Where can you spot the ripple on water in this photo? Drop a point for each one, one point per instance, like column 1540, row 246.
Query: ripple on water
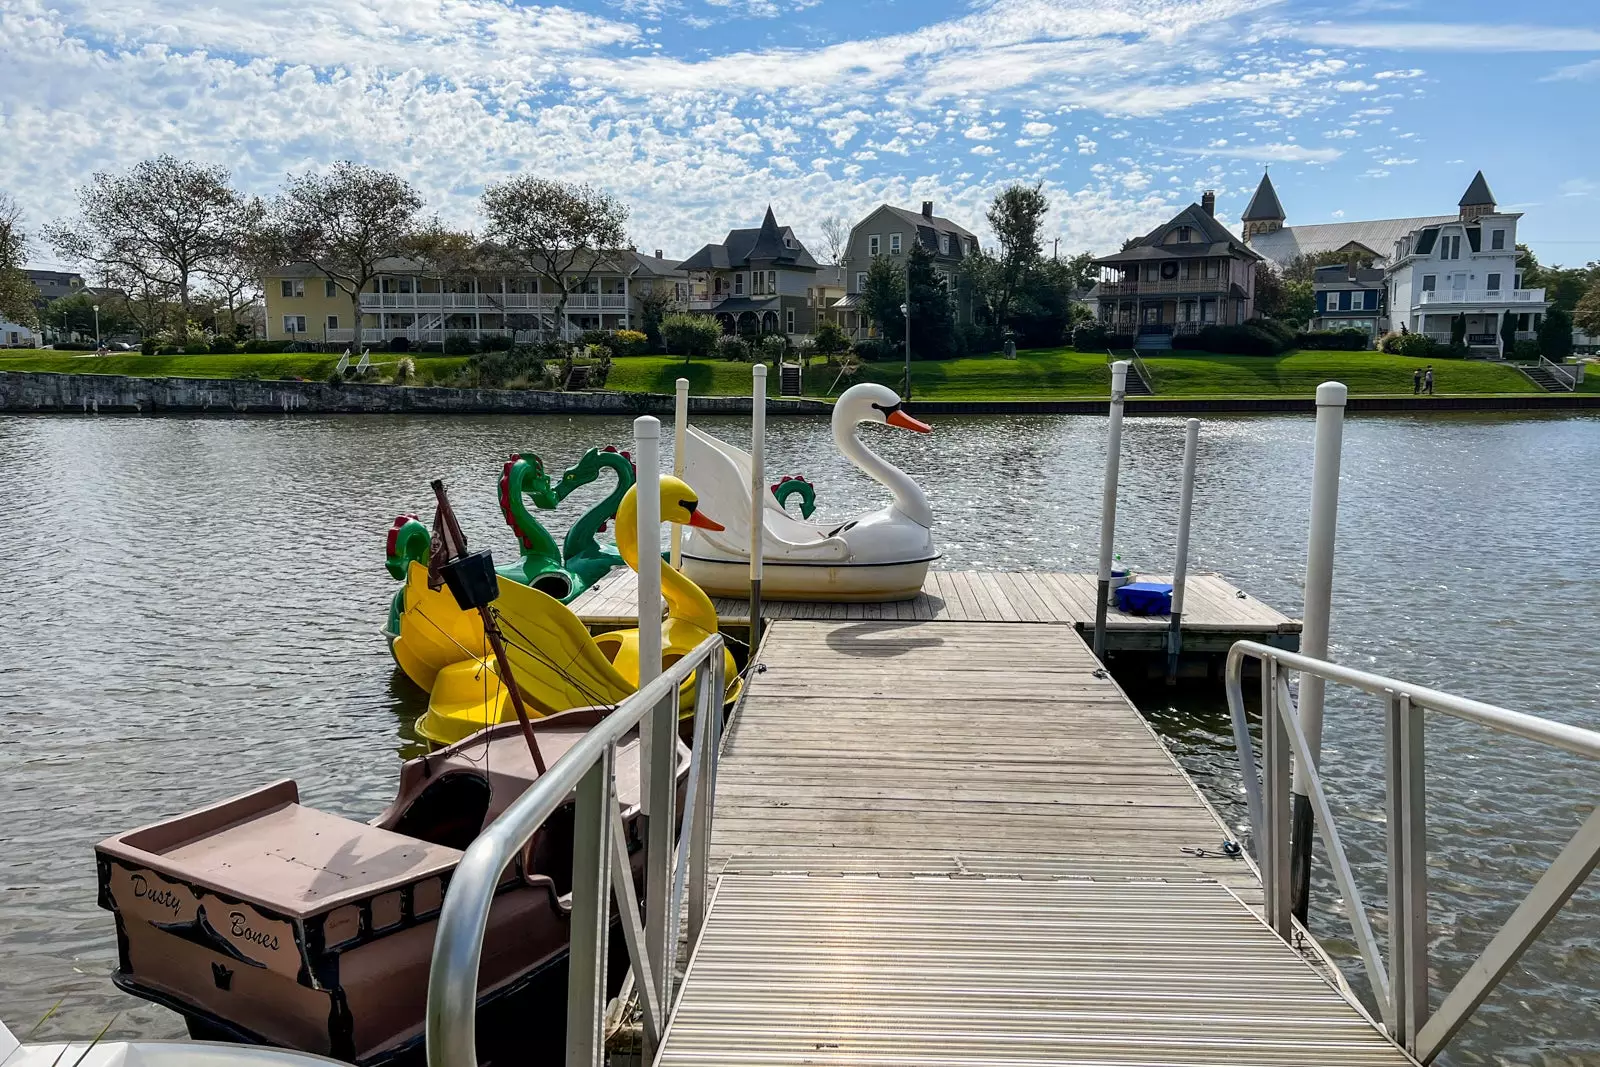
column 195, row 604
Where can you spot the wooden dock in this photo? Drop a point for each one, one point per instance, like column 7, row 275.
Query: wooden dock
column 1216, row 613
column 954, row 841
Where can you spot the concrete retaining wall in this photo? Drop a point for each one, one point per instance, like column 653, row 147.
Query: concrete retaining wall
column 115, row 393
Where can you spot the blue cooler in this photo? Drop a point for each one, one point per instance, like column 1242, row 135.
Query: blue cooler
column 1145, row 598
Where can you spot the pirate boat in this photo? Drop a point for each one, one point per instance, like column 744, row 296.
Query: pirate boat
column 262, row 920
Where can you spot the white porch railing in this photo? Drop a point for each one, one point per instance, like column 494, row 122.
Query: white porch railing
column 1401, row 989
column 1567, row 378
column 492, row 302
column 1480, row 296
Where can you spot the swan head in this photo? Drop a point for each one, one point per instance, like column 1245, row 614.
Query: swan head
column 679, row 504
column 871, row 402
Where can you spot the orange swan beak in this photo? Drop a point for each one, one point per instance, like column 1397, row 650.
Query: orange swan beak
column 899, row 418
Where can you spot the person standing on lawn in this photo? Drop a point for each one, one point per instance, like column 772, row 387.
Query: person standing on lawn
column 1416, row 381
column 1427, row 380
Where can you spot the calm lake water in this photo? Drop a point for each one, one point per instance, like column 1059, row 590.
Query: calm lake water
column 192, row 609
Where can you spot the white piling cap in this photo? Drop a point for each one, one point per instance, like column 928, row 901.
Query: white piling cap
column 1332, row 394
column 759, row 370
column 1119, row 374
column 683, row 385
column 647, row 426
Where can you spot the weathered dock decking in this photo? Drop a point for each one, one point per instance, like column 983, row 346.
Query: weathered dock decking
column 1215, row 615
column 944, row 842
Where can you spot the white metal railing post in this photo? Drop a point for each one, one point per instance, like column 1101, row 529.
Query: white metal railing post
column 1408, row 869
column 758, row 490
column 1108, row 502
column 1331, row 397
column 680, row 424
column 593, row 812
column 1180, row 567
column 1405, row 1000
column 451, row 1021
column 647, row 486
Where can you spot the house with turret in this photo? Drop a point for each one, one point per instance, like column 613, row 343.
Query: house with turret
column 757, row 281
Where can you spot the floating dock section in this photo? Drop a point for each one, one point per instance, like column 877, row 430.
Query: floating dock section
column 951, row 839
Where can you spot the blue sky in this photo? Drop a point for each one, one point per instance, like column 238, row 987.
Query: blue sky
column 700, row 112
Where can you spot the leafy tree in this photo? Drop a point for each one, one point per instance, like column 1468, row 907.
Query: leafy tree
column 74, row 313
column 1043, row 309
column 657, row 299
column 1292, row 302
column 17, row 294
column 1555, row 335
column 1303, row 268
column 1587, row 313
column 693, row 335
column 1081, row 273
column 933, row 334
column 557, row 230
column 881, row 297
column 1016, row 216
column 347, row 223
column 162, row 225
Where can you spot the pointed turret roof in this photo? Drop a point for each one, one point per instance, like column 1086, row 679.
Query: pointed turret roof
column 769, row 241
column 1264, row 205
column 1477, row 194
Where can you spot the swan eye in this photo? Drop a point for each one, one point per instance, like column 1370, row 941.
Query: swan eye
column 889, row 410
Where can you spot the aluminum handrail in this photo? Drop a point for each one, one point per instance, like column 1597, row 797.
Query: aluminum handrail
column 1402, row 989
column 451, row 1031
column 1559, row 373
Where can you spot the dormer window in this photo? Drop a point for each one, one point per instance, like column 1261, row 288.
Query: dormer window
column 1183, row 234
column 788, row 242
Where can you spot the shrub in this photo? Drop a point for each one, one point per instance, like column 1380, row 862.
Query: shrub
column 223, row 346
column 335, row 377
column 689, row 335
column 732, row 349
column 458, row 345
column 1244, row 340
column 629, row 343
column 399, row 344
column 148, row 346
column 973, row 340
column 405, row 370
column 1415, row 345
column 1458, row 333
column 874, row 349
column 774, row 347
column 1279, row 331
column 259, row 345
column 595, row 337
column 1555, row 335
column 1525, row 348
column 829, row 340
column 249, row 376
column 1121, row 340
column 1348, row 340
column 600, row 369
column 1089, row 337
column 196, row 348
column 495, row 342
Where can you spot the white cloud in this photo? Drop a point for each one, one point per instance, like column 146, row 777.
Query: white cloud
column 1575, row 72
column 1449, row 36
column 1086, row 147
column 1384, row 75
column 1393, row 161
column 1268, row 153
column 978, row 132
column 1355, row 86
column 985, row 150
column 1580, row 187
column 1037, row 129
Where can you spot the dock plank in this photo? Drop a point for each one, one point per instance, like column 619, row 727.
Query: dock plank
column 941, row 842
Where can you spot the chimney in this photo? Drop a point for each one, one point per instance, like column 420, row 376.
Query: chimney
column 1208, row 202
column 927, row 209
column 658, row 253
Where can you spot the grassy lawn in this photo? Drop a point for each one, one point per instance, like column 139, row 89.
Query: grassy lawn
column 311, row 365
column 659, row 374
column 1041, row 374
column 1299, row 374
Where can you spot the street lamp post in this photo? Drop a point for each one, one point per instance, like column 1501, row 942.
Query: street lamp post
column 96, row 327
column 905, row 311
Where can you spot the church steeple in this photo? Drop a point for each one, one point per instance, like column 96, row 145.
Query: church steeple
column 1264, row 214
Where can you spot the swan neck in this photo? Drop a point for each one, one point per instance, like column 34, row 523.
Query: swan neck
column 908, row 497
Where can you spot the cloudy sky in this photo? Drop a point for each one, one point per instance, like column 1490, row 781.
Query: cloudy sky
column 700, row 112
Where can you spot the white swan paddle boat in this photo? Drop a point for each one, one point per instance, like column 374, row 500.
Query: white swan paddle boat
column 882, row 555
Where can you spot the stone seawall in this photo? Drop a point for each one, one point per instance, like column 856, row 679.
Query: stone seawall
column 118, row 394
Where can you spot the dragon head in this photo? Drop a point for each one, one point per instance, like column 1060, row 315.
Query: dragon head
column 524, row 475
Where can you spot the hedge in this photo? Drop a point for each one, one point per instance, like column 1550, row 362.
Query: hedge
column 1348, row 340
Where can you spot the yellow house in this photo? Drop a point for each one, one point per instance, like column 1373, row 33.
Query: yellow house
column 409, row 299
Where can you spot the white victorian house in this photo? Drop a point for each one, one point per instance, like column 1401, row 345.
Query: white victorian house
column 1463, row 266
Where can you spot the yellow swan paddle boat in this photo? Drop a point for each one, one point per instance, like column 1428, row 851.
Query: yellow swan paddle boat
column 558, row 665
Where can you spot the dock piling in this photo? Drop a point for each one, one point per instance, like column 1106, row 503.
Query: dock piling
column 680, row 423
column 1331, row 397
column 758, row 489
column 1180, row 567
column 1108, row 503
